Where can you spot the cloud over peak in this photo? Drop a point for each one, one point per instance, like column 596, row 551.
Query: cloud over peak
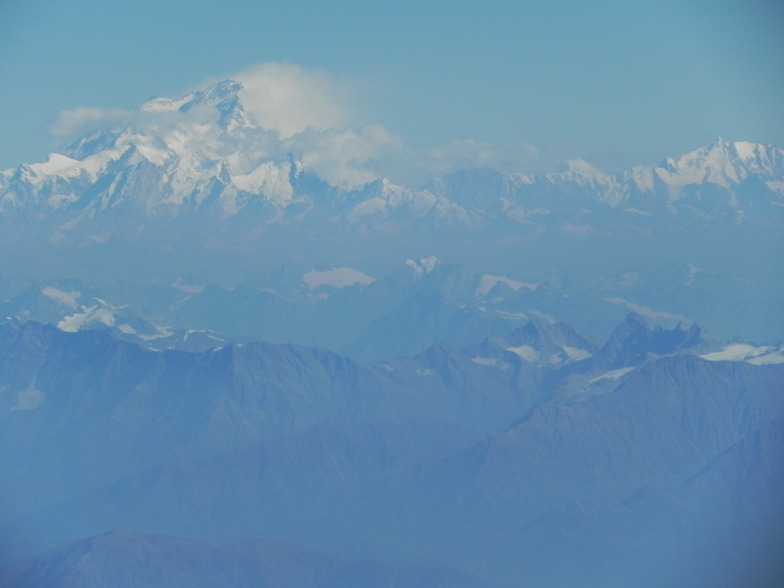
column 75, row 120
column 295, row 111
column 289, row 98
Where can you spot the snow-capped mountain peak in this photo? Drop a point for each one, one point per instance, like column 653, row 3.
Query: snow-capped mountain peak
column 724, row 163
column 223, row 96
column 580, row 167
column 424, row 265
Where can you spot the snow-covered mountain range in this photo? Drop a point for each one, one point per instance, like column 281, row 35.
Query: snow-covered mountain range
column 206, row 150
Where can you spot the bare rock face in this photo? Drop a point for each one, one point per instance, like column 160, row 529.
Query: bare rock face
column 575, row 471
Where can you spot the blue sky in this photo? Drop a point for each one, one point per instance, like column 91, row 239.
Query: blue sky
column 618, row 83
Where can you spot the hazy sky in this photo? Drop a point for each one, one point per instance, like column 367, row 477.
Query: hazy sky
column 618, row 83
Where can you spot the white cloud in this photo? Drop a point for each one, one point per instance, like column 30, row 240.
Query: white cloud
column 416, row 166
column 71, row 121
column 315, row 114
column 345, row 157
column 471, row 153
column 289, row 98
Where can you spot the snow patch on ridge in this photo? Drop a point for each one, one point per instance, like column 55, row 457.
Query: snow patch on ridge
column 575, row 353
column 487, row 282
column 160, row 333
column 648, row 312
column 756, row 355
column 423, row 265
column 66, row 298
column 188, row 288
column 611, row 375
column 336, row 278
column 77, row 321
column 526, row 352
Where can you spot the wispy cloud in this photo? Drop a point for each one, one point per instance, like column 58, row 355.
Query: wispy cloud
column 290, row 99
column 346, row 157
column 419, row 165
column 75, row 120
